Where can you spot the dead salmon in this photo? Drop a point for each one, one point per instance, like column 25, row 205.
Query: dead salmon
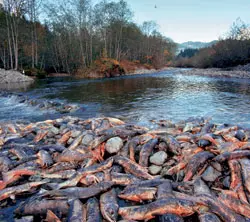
column 72, row 156
column 51, row 217
column 109, row 206
column 11, row 191
column 74, row 180
column 170, row 218
column 236, row 179
column 40, row 135
column 64, row 174
column 133, row 168
column 81, row 192
column 173, row 145
column 61, row 166
column 77, row 212
column 165, row 190
column 177, row 168
column 208, row 217
column 138, row 194
column 235, row 204
column 64, row 138
column 40, row 207
column 146, row 151
column 44, row 159
column 123, row 179
column 220, row 209
column 176, row 206
column 197, row 161
column 245, row 169
column 232, row 155
column 93, row 210
column 77, row 141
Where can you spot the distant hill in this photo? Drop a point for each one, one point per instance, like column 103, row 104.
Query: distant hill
column 194, row 45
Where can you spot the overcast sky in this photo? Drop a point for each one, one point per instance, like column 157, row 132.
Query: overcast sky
column 191, row 20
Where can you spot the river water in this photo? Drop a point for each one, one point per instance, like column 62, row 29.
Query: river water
column 139, row 99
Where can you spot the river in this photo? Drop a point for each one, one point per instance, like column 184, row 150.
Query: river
column 139, row 99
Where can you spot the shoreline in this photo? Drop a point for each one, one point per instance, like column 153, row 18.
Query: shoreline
column 216, row 73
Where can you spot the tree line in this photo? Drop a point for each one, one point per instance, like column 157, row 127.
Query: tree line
column 231, row 50
column 70, row 35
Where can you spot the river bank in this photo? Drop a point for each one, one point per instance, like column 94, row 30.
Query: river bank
column 217, row 73
column 59, row 168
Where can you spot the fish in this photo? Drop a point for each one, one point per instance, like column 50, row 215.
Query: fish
column 41, row 206
column 240, row 154
column 208, row 217
column 64, row 138
column 15, row 190
column 176, row 206
column 77, row 212
column 170, row 218
column 51, row 217
column 77, row 141
column 195, row 163
column 245, row 166
column 109, row 206
column 44, row 159
column 165, row 190
column 146, row 151
column 138, row 194
column 235, row 204
column 81, row 192
column 75, row 179
column 236, row 179
column 123, row 179
column 132, row 167
column 93, row 210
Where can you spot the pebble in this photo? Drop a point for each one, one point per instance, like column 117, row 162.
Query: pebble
column 159, row 158
column 153, row 169
column 114, row 145
column 210, row 174
column 87, row 139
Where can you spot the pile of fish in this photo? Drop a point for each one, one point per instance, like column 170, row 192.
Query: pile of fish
column 103, row 169
column 42, row 104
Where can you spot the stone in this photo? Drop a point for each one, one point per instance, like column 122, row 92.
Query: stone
column 114, row 145
column 54, row 130
column 87, row 139
column 158, row 158
column 154, row 170
column 210, row 174
column 75, row 133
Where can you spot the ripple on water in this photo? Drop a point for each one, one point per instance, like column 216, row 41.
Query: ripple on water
column 165, row 95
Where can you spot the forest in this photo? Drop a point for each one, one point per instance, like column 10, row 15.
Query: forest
column 77, row 36
column 231, row 50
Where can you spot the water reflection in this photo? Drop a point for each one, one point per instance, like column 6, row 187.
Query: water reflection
column 162, row 96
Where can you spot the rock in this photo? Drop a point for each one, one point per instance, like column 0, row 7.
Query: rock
column 54, row 130
column 12, row 76
column 87, row 139
column 153, row 169
column 210, row 174
column 158, row 158
column 75, row 133
column 114, row 145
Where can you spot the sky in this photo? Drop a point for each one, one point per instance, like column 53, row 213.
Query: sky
column 191, row 20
